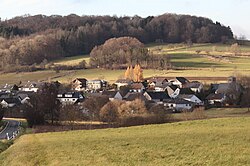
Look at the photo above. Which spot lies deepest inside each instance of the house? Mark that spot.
(186, 91)
(179, 81)
(192, 98)
(214, 87)
(4, 95)
(24, 96)
(137, 87)
(195, 86)
(30, 87)
(157, 97)
(70, 98)
(216, 99)
(9, 88)
(232, 90)
(79, 84)
(178, 105)
(96, 84)
(156, 82)
(113, 95)
(10, 102)
(161, 88)
(123, 82)
(173, 91)
(131, 96)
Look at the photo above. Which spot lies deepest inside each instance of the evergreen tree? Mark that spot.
(127, 73)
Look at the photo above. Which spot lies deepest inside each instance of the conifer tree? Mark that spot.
(127, 73)
(131, 73)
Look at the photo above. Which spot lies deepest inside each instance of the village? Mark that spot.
(175, 94)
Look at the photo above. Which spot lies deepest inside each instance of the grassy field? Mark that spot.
(184, 58)
(72, 60)
(214, 113)
(113, 75)
(207, 142)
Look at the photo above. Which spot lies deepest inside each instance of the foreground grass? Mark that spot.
(208, 142)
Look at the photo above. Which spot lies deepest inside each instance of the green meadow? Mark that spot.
(221, 141)
(186, 61)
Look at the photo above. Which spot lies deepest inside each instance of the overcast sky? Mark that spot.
(233, 13)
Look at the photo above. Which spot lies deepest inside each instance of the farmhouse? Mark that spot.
(113, 95)
(122, 82)
(70, 98)
(96, 84)
(10, 102)
(137, 87)
(192, 98)
(179, 81)
(30, 87)
(216, 99)
(177, 105)
(195, 86)
(158, 97)
(79, 84)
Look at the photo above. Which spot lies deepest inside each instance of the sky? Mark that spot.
(233, 13)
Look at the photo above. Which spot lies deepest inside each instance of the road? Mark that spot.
(11, 127)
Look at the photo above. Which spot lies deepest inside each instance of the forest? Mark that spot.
(30, 40)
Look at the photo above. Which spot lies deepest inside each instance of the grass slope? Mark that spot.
(183, 57)
(208, 142)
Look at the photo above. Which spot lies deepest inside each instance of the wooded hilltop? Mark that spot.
(28, 40)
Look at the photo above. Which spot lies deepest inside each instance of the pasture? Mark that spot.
(206, 142)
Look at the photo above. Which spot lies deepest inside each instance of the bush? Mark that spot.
(109, 113)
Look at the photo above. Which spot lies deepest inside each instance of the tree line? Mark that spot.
(26, 40)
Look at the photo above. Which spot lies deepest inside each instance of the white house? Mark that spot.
(10, 102)
(192, 98)
(215, 99)
(195, 86)
(70, 98)
(30, 87)
(178, 104)
(79, 84)
(122, 82)
(96, 84)
(179, 81)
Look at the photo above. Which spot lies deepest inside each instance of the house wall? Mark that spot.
(94, 85)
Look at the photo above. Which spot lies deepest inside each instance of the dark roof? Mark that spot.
(137, 86)
(213, 96)
(178, 101)
(188, 96)
(124, 81)
(130, 96)
(158, 79)
(4, 95)
(183, 80)
(80, 79)
(193, 85)
(12, 100)
(110, 94)
(223, 88)
(173, 87)
(158, 95)
(214, 86)
(186, 91)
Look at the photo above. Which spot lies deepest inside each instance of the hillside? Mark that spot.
(219, 63)
(42, 38)
(208, 142)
